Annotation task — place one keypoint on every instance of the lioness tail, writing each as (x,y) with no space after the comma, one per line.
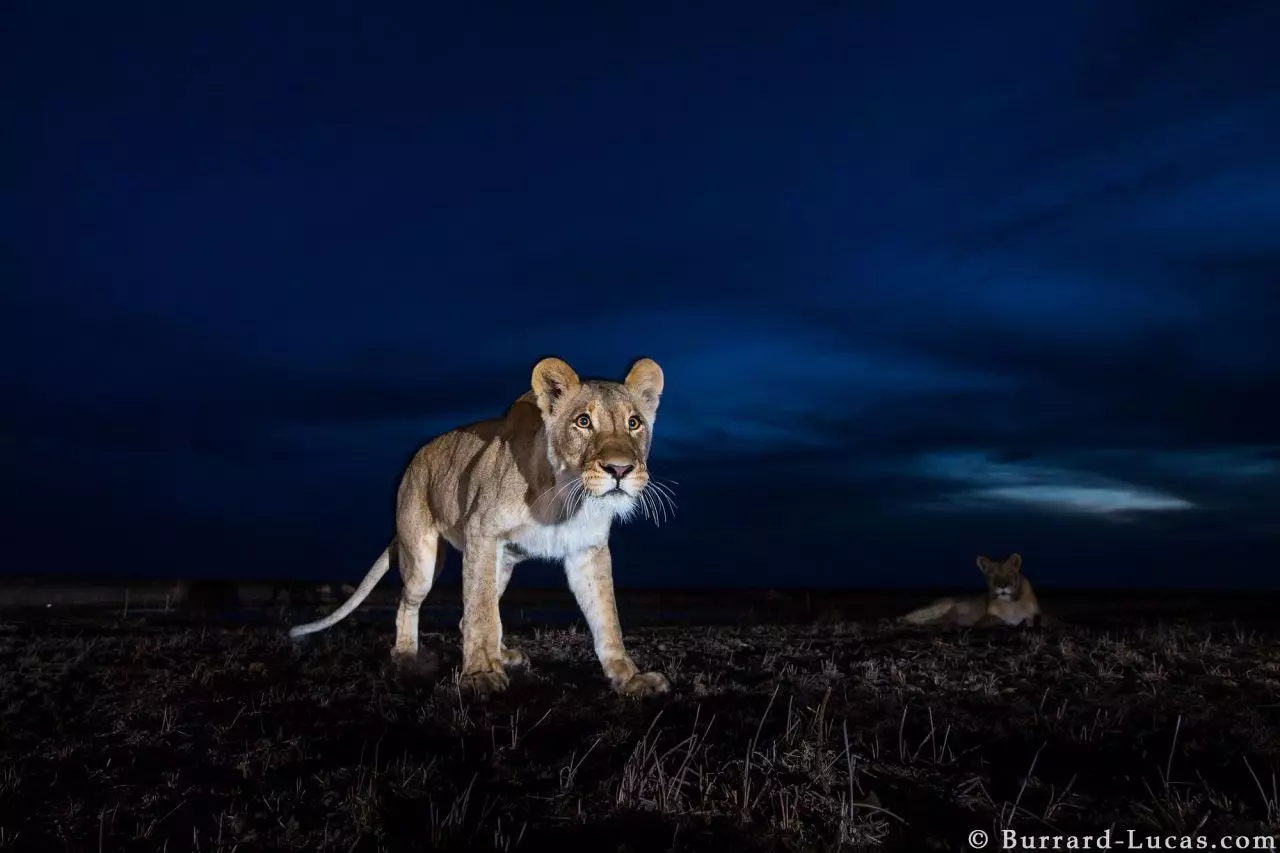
(929,613)
(375,574)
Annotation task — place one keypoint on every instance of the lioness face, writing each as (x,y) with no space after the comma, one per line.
(1004,577)
(600,431)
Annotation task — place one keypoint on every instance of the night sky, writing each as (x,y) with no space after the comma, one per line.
(926,279)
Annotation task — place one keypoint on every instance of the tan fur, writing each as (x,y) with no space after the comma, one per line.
(532,483)
(1009,600)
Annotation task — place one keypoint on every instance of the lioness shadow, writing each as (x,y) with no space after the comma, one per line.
(428,668)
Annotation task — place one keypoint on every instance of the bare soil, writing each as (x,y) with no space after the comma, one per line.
(163,730)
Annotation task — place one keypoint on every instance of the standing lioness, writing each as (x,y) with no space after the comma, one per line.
(545,480)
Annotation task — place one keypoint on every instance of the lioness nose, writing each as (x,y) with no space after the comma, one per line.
(618,471)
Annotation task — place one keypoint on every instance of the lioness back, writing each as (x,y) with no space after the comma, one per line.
(964,611)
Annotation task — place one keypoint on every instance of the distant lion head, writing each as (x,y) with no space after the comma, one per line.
(1004,577)
(600,431)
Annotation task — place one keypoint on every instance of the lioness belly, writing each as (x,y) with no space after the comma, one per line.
(968,611)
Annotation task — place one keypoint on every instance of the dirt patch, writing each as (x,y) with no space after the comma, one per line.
(130,734)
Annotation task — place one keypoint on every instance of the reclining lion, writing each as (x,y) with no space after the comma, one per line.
(545,480)
(1009,600)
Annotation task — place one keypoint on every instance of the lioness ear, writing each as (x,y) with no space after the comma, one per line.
(645,381)
(553,380)
(1014,561)
(985,565)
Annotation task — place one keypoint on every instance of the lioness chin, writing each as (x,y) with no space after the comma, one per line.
(1009,600)
(545,480)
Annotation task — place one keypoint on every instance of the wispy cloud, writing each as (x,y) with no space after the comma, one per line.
(1102,500)
(1229,465)
(1051,488)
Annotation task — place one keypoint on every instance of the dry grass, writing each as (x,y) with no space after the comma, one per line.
(146,734)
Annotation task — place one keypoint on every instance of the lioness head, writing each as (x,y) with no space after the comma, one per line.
(600,431)
(1004,577)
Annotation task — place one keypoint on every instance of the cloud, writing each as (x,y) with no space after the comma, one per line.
(1235,465)
(1037,486)
(746,383)
(1116,499)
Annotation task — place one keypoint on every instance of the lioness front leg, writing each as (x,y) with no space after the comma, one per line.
(481,635)
(510,657)
(590,576)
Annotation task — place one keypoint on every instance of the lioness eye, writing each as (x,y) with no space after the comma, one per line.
(633,422)
(584,421)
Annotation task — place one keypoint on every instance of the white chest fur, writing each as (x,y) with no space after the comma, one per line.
(587,529)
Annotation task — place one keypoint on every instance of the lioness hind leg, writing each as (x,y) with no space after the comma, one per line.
(421,559)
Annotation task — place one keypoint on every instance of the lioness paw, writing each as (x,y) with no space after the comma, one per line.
(644,684)
(401,656)
(514,659)
(481,684)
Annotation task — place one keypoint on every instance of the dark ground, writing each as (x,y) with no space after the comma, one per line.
(787,728)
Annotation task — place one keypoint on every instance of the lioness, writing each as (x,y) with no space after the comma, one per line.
(1009,600)
(545,480)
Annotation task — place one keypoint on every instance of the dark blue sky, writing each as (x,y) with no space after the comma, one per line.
(926,279)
